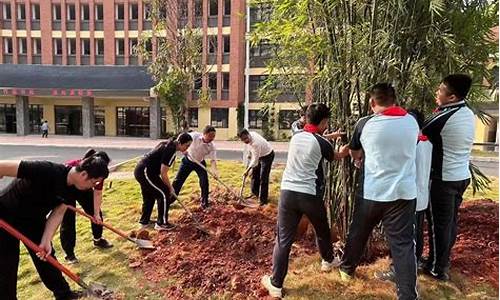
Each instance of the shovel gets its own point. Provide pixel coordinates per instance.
(197, 223)
(91, 289)
(240, 203)
(143, 244)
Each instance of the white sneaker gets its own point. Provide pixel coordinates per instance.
(328, 266)
(164, 227)
(271, 289)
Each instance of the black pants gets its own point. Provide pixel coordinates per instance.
(185, 169)
(68, 230)
(45, 133)
(446, 198)
(398, 219)
(292, 206)
(260, 177)
(153, 189)
(9, 261)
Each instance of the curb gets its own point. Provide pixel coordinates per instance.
(484, 159)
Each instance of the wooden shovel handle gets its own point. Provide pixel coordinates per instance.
(83, 213)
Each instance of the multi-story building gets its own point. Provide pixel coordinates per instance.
(70, 62)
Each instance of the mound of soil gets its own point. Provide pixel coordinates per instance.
(233, 259)
(475, 253)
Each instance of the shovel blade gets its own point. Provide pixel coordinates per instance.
(98, 290)
(144, 244)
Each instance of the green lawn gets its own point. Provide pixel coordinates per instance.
(121, 206)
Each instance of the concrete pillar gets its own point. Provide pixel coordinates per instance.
(88, 119)
(22, 115)
(154, 118)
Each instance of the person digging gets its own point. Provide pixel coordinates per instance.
(34, 203)
(90, 201)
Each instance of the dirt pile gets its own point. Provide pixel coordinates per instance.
(232, 260)
(475, 253)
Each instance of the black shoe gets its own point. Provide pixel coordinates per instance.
(438, 276)
(102, 243)
(205, 205)
(71, 295)
(262, 203)
(385, 275)
(164, 227)
(71, 259)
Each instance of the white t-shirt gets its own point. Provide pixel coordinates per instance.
(199, 149)
(389, 143)
(259, 147)
(423, 163)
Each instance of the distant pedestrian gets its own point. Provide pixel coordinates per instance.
(45, 129)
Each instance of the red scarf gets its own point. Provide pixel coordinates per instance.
(311, 128)
(395, 111)
(422, 138)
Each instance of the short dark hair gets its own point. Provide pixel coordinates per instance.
(316, 113)
(208, 129)
(418, 115)
(458, 84)
(103, 155)
(89, 153)
(243, 133)
(184, 138)
(95, 166)
(383, 93)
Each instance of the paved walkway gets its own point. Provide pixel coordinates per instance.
(111, 142)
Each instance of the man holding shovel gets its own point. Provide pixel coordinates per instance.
(260, 166)
(201, 148)
(302, 189)
(41, 188)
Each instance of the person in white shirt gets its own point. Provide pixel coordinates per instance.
(45, 129)
(260, 164)
(201, 148)
(298, 125)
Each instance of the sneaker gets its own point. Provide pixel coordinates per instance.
(102, 243)
(344, 276)
(271, 289)
(385, 275)
(437, 276)
(164, 227)
(328, 266)
(71, 259)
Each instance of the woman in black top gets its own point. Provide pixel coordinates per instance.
(152, 174)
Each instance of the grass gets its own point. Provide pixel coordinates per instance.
(491, 193)
(122, 205)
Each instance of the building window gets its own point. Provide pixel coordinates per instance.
(99, 121)
(212, 44)
(37, 46)
(85, 46)
(22, 45)
(225, 81)
(132, 121)
(58, 47)
(99, 47)
(8, 118)
(68, 120)
(21, 11)
(198, 83)
(6, 14)
(227, 43)
(56, 12)
(119, 12)
(256, 82)
(286, 118)
(7, 45)
(255, 119)
(227, 7)
(193, 117)
(35, 11)
(263, 49)
(99, 12)
(36, 117)
(120, 47)
(71, 46)
(85, 12)
(198, 8)
(219, 117)
(214, 9)
(134, 11)
(212, 81)
(71, 12)
(132, 44)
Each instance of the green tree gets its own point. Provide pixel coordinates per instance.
(342, 47)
